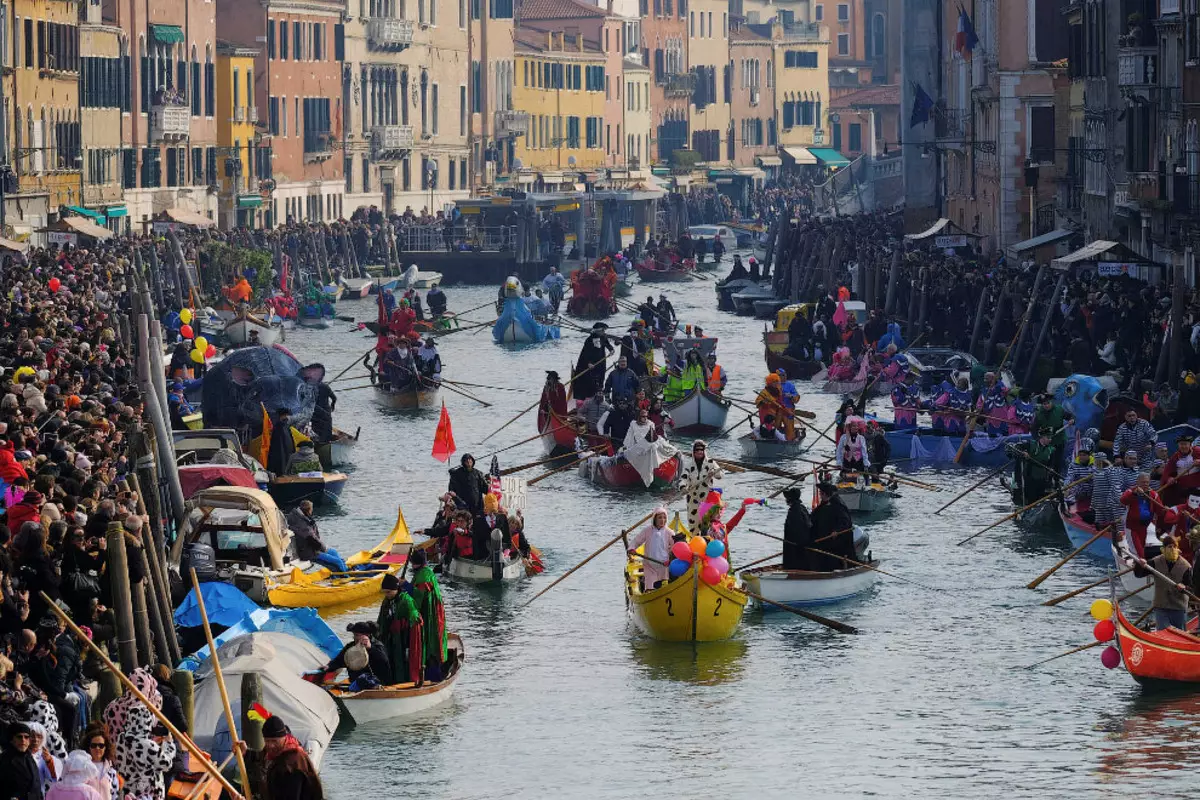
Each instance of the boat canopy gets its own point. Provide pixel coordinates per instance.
(203, 512)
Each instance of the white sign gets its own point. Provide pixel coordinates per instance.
(163, 227)
(946, 242)
(62, 239)
(512, 489)
(1108, 269)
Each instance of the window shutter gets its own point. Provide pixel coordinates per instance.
(339, 42)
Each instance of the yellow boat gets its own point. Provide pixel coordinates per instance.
(686, 609)
(194, 421)
(320, 588)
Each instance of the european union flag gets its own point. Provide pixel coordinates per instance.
(922, 105)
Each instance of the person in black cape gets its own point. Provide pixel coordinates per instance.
(282, 445)
(832, 517)
(797, 533)
(592, 363)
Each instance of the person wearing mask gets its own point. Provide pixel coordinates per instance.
(427, 596)
(656, 540)
(699, 477)
(591, 366)
(1172, 581)
(1082, 466)
(851, 453)
(1181, 473)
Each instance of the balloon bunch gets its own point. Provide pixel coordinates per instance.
(711, 555)
(202, 350)
(1104, 631)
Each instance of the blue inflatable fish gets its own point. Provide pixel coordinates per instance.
(516, 325)
(1085, 397)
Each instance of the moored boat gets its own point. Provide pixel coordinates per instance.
(402, 699)
(794, 369)
(320, 322)
(743, 301)
(617, 473)
(337, 451)
(940, 447)
(1157, 659)
(357, 288)
(767, 449)
(238, 330)
(322, 489)
(700, 412)
(804, 588)
(766, 309)
(686, 609)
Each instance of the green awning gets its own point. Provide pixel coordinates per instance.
(112, 212)
(249, 201)
(829, 157)
(166, 34)
(87, 212)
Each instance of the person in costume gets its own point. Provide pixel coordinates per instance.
(699, 477)
(427, 596)
(851, 455)
(592, 365)
(290, 772)
(401, 634)
(656, 540)
(831, 523)
(711, 526)
(553, 403)
(797, 533)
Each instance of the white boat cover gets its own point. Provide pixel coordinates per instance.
(279, 659)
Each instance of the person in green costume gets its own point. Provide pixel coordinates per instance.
(692, 377)
(427, 596)
(402, 633)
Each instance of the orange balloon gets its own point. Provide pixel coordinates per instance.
(698, 545)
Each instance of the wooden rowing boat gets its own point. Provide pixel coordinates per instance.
(678, 271)
(804, 588)
(322, 489)
(402, 699)
(503, 569)
(616, 473)
(238, 330)
(357, 288)
(866, 499)
(699, 412)
(1080, 532)
(337, 452)
(1161, 658)
(766, 449)
(407, 398)
(685, 610)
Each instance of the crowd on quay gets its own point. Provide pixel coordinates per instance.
(72, 426)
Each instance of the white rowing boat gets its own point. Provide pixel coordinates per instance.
(500, 567)
(238, 330)
(768, 449)
(403, 699)
(866, 499)
(699, 412)
(804, 588)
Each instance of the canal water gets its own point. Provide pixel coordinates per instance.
(564, 699)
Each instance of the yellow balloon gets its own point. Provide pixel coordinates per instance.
(201, 344)
(1101, 609)
(198, 356)
(185, 316)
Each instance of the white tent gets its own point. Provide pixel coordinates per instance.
(279, 660)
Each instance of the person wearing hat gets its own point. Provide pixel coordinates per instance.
(178, 406)
(592, 364)
(833, 527)
(552, 406)
(305, 460)
(1136, 434)
(401, 634)
(1179, 520)
(427, 596)
(290, 772)
(797, 533)
(666, 312)
(699, 477)
(19, 775)
(1051, 415)
(282, 444)
(1181, 472)
(1034, 474)
(1082, 466)
(363, 655)
(468, 484)
(429, 360)
(1172, 575)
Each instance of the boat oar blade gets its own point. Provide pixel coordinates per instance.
(840, 627)
(1036, 582)
(607, 545)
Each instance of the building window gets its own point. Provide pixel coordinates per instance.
(366, 173)
(452, 173)
(462, 174)
(843, 12)
(820, 13)
(433, 95)
(283, 41)
(843, 44)
(1041, 145)
(462, 111)
(855, 137)
(806, 59)
(879, 35)
(271, 39)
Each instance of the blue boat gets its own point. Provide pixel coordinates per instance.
(517, 325)
(1080, 532)
(928, 446)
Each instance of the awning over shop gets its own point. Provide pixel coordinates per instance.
(113, 212)
(942, 227)
(85, 228)
(166, 34)
(829, 157)
(185, 217)
(16, 247)
(800, 155)
(86, 212)
(249, 201)
(1039, 241)
(769, 161)
(1110, 259)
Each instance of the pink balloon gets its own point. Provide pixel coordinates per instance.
(1111, 657)
(710, 575)
(720, 564)
(681, 551)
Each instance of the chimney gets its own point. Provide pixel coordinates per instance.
(549, 40)
(579, 41)
(610, 6)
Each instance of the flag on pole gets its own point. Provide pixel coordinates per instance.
(264, 441)
(922, 106)
(965, 38)
(443, 439)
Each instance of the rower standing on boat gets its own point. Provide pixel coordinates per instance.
(851, 455)
(831, 522)
(553, 403)
(656, 539)
(1170, 601)
(591, 366)
(797, 533)
(427, 595)
(401, 633)
(468, 484)
(322, 418)
(698, 480)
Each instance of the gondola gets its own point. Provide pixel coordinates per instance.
(402, 699)
(700, 412)
(615, 472)
(793, 368)
(650, 271)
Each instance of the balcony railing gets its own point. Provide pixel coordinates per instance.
(389, 34)
(391, 142)
(170, 122)
(239, 114)
(1143, 187)
(512, 123)
(317, 145)
(678, 85)
(802, 32)
(1137, 66)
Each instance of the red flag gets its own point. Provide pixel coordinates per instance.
(443, 439)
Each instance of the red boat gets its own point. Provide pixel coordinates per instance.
(672, 268)
(618, 474)
(1159, 658)
(592, 291)
(558, 437)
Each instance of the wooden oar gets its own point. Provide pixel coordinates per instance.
(443, 385)
(840, 627)
(353, 364)
(971, 426)
(1128, 595)
(875, 569)
(1023, 509)
(975, 486)
(768, 535)
(607, 545)
(524, 467)
(568, 465)
(1056, 600)
(833, 535)
(1146, 566)
(1036, 582)
(483, 386)
(1087, 646)
(862, 396)
(734, 425)
(756, 563)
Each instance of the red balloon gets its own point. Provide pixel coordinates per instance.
(710, 575)
(55, 284)
(1104, 630)
(681, 551)
(210, 351)
(186, 331)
